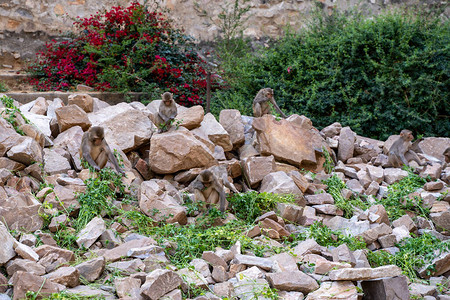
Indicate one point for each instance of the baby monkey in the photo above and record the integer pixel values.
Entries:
(209, 189)
(96, 151)
(400, 152)
(261, 104)
(167, 112)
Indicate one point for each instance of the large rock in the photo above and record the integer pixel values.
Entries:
(125, 126)
(349, 227)
(70, 141)
(297, 144)
(72, 115)
(392, 175)
(386, 288)
(41, 122)
(84, 101)
(24, 282)
(160, 282)
(346, 144)
(256, 168)
(434, 146)
(281, 183)
(7, 241)
(68, 276)
(191, 118)
(215, 132)
(344, 290)
(358, 274)
(21, 212)
(440, 265)
(161, 201)
(55, 163)
(441, 219)
(27, 151)
(230, 119)
(179, 150)
(91, 232)
(292, 281)
(92, 269)
(128, 287)
(121, 251)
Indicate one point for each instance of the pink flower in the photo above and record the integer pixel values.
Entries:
(289, 69)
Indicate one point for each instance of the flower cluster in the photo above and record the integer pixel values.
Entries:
(124, 49)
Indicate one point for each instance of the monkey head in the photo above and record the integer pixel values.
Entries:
(268, 93)
(206, 177)
(96, 135)
(406, 135)
(167, 98)
(447, 155)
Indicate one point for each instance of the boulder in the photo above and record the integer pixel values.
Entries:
(292, 281)
(346, 144)
(72, 115)
(281, 183)
(125, 126)
(256, 168)
(160, 282)
(24, 282)
(55, 163)
(84, 101)
(91, 232)
(344, 290)
(290, 142)
(230, 119)
(434, 146)
(215, 132)
(191, 118)
(161, 201)
(68, 276)
(92, 269)
(358, 274)
(7, 241)
(27, 151)
(171, 152)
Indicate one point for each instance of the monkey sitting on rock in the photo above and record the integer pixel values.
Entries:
(209, 190)
(166, 113)
(96, 151)
(261, 104)
(401, 153)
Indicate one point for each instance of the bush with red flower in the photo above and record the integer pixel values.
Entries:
(124, 49)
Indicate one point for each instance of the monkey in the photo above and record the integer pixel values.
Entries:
(209, 189)
(96, 151)
(261, 103)
(447, 156)
(400, 151)
(167, 112)
(221, 174)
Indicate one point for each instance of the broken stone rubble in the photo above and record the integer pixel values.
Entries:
(169, 154)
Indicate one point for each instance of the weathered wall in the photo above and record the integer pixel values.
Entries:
(25, 25)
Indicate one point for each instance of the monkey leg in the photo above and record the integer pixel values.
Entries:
(102, 159)
(199, 197)
(411, 155)
(256, 110)
(213, 198)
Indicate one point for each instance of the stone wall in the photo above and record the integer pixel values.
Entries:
(25, 25)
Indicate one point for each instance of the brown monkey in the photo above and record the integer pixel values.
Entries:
(96, 151)
(447, 155)
(261, 103)
(209, 189)
(400, 152)
(167, 112)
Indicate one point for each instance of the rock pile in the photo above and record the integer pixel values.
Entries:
(38, 177)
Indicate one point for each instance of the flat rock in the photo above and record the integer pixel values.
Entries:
(364, 273)
(292, 281)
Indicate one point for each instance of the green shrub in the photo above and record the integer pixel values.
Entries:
(249, 206)
(377, 75)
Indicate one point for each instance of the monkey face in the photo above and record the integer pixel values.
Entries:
(97, 141)
(168, 102)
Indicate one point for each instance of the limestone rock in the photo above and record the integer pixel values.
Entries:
(68, 276)
(290, 142)
(335, 290)
(359, 274)
(434, 146)
(55, 163)
(179, 150)
(160, 200)
(91, 232)
(24, 282)
(392, 175)
(159, 283)
(256, 168)
(230, 119)
(128, 287)
(192, 117)
(215, 132)
(346, 144)
(7, 241)
(72, 115)
(125, 126)
(91, 269)
(281, 183)
(117, 253)
(26, 152)
(292, 281)
(84, 101)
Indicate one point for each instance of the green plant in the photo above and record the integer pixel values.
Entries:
(11, 113)
(248, 206)
(397, 200)
(376, 74)
(328, 164)
(415, 253)
(3, 87)
(324, 236)
(335, 186)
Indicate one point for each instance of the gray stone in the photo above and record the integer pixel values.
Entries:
(359, 274)
(159, 283)
(91, 232)
(292, 281)
(263, 263)
(395, 288)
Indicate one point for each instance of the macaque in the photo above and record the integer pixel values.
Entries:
(447, 155)
(209, 189)
(167, 112)
(221, 174)
(261, 104)
(400, 152)
(96, 151)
